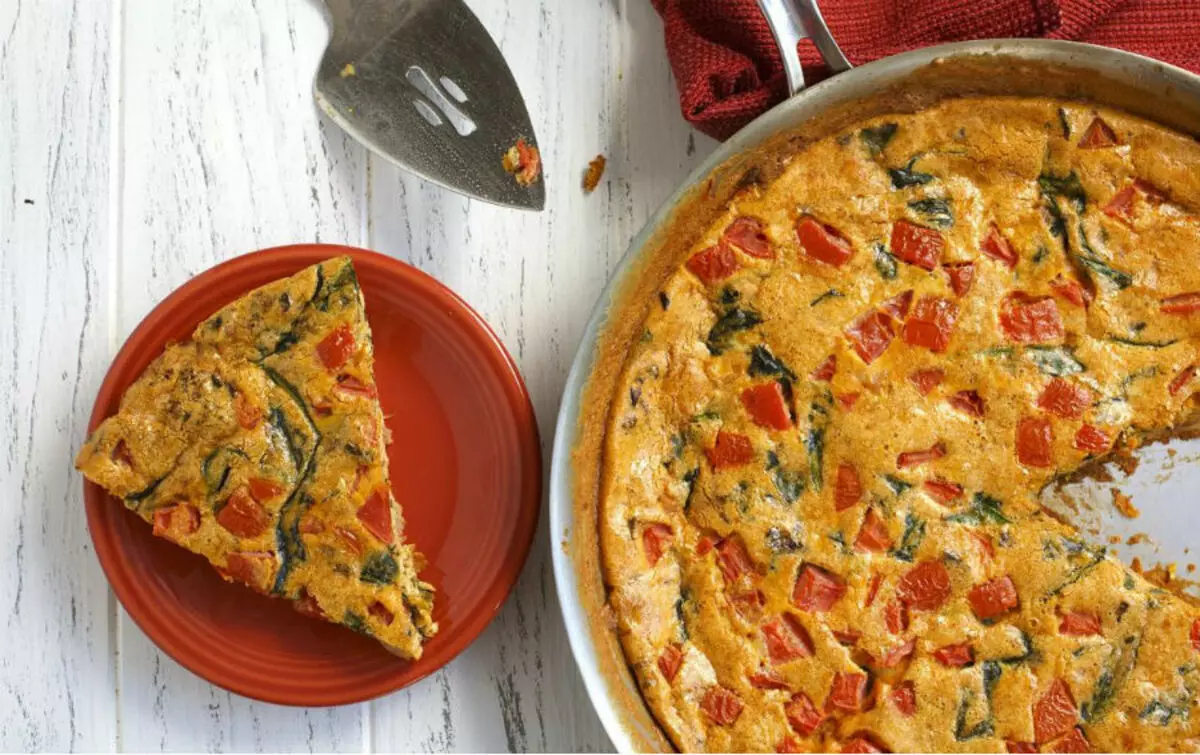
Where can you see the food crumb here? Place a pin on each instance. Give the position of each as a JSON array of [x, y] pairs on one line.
[[1136, 538], [595, 170], [524, 162], [1124, 505], [1191, 568], [1114, 539], [348, 71]]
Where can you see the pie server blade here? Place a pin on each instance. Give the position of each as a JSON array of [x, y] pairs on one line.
[[420, 83]]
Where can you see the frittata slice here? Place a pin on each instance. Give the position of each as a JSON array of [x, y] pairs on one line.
[[260, 444]]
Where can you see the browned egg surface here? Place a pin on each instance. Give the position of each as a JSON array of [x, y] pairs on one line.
[[260, 444], [819, 519]]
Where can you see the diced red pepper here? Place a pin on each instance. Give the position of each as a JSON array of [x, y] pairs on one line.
[[766, 678], [985, 544], [721, 705], [895, 617], [870, 335], [848, 637], [351, 539], [1027, 319], [993, 598], [904, 697], [872, 589], [943, 491], [895, 656], [748, 602], [1073, 742], [822, 242], [714, 264], [175, 522], [847, 400], [873, 537], [847, 488], [997, 247], [255, 569], [766, 405], [308, 605], [355, 387], [381, 613], [927, 380], [656, 538], [336, 347], [786, 639], [1183, 378], [1196, 635], [1065, 399], [827, 369], [789, 744], [847, 692], [1181, 304], [1098, 134], [670, 660], [248, 415], [1121, 205], [861, 743], [909, 459], [925, 587], [931, 324], [706, 543], [968, 402], [1071, 290], [1149, 190], [1079, 624], [1092, 439], [802, 714], [899, 305], [322, 408], [916, 244], [817, 589], [263, 490], [730, 450], [1035, 442], [242, 515], [749, 235], [376, 516], [962, 276], [955, 656], [1054, 714], [734, 560], [1020, 747]]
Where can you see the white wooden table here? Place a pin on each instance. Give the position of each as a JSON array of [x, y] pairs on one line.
[[142, 141]]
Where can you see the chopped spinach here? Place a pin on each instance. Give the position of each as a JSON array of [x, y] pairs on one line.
[[139, 497], [914, 533], [818, 420], [1139, 343], [935, 210], [984, 510], [730, 296], [789, 484], [832, 293], [734, 320], [216, 467], [685, 595], [765, 364], [1040, 254], [1056, 361], [1067, 187], [1162, 710], [380, 568], [1119, 278], [1116, 671], [689, 479], [877, 137], [355, 622], [1079, 571], [1027, 653], [1063, 123], [664, 300], [346, 278], [294, 438], [885, 263], [908, 176], [898, 486]]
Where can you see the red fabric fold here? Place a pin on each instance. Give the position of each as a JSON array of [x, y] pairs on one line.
[[728, 69]]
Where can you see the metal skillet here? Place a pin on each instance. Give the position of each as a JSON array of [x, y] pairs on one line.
[[901, 83]]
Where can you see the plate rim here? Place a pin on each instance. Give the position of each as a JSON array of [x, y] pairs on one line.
[[148, 332]]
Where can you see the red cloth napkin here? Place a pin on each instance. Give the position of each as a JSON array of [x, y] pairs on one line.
[[728, 68]]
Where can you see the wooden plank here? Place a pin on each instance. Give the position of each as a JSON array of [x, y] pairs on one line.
[[596, 81], [223, 153], [56, 672]]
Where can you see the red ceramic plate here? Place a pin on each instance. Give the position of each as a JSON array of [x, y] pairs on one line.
[[465, 467]]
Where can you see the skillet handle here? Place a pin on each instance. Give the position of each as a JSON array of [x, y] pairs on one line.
[[792, 21]]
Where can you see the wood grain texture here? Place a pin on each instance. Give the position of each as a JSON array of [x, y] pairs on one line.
[[156, 138], [56, 665]]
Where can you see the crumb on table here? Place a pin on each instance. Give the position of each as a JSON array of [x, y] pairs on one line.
[[595, 170], [524, 162], [1124, 505]]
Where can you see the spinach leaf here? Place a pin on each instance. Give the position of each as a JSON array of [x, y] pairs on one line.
[[1116, 671], [765, 364], [818, 420], [380, 568], [353, 621], [907, 176], [1067, 187], [690, 478], [885, 263], [936, 211], [1063, 123], [216, 467], [984, 510], [1142, 344], [1119, 278], [139, 497], [1079, 571], [345, 279], [898, 486], [1162, 710], [1056, 361], [832, 293], [877, 137], [914, 533], [730, 323]]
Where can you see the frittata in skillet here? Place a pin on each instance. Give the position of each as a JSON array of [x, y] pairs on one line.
[[260, 444], [819, 516]]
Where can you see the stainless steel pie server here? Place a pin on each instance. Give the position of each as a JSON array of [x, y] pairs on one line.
[[420, 83]]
